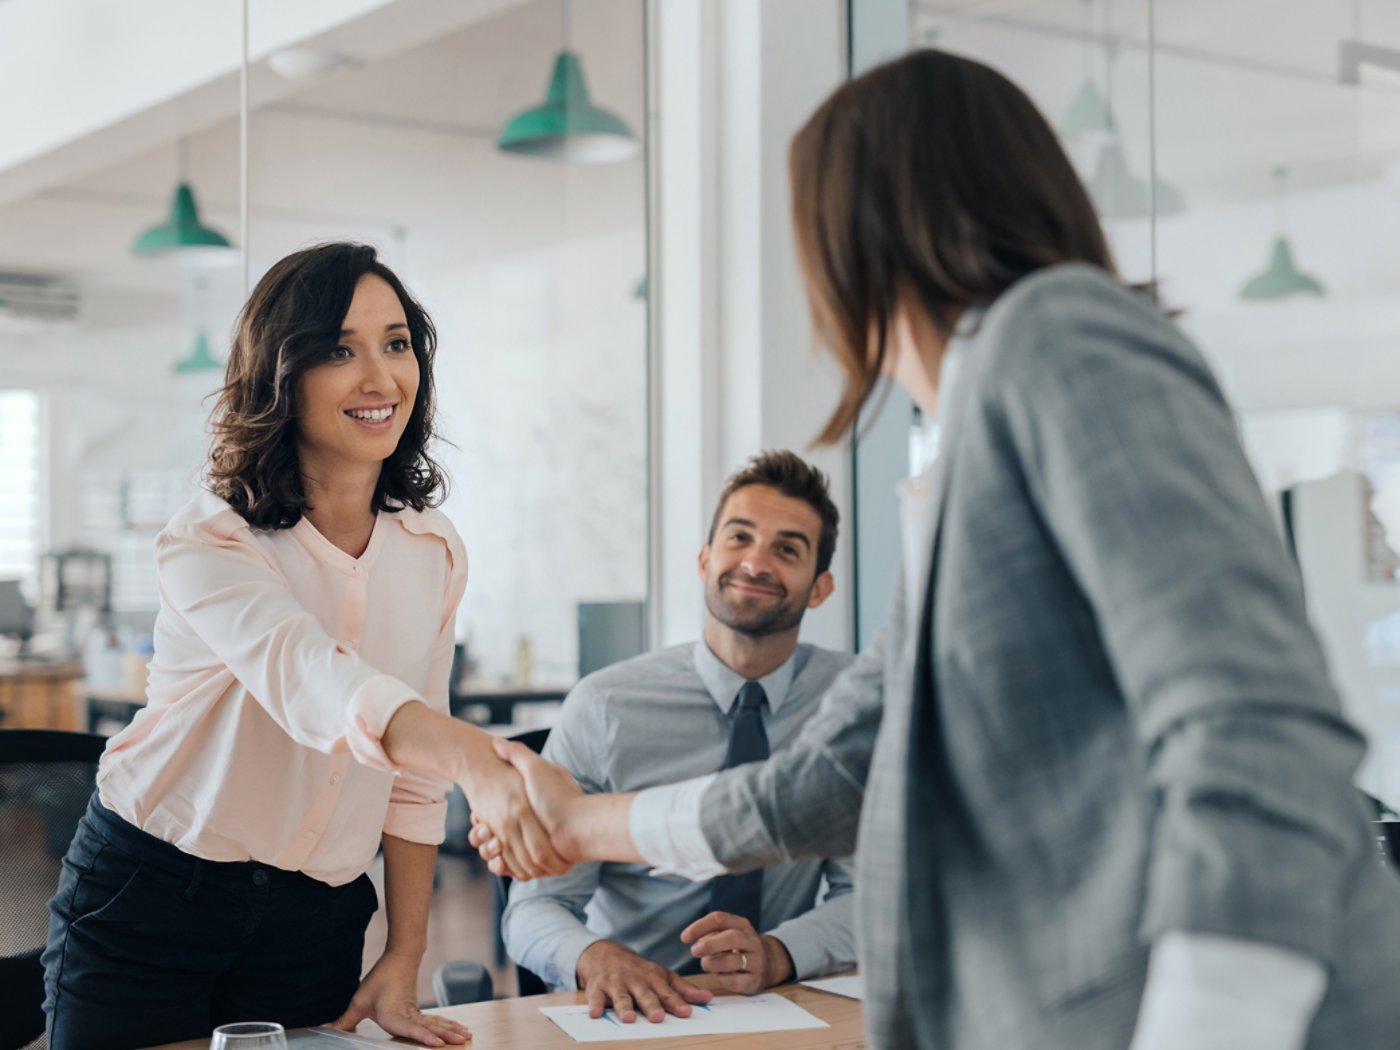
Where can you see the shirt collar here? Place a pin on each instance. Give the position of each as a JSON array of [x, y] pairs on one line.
[[723, 683]]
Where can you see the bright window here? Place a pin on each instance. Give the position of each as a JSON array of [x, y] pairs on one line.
[[21, 478]]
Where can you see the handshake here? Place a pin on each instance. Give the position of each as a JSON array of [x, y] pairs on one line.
[[534, 820], [526, 814]]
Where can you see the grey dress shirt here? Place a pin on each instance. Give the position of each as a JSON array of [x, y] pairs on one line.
[[652, 720]]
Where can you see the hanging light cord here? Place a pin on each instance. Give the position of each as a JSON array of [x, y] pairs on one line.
[[1152, 135], [243, 152]]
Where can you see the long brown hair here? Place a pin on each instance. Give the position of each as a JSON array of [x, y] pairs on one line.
[[290, 324], [934, 179]]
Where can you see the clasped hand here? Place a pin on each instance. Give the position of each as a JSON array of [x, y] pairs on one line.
[[525, 837]]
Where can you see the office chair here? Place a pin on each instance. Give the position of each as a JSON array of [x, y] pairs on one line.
[[46, 779], [466, 981]]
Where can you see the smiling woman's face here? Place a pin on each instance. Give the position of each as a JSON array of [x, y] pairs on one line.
[[352, 408]]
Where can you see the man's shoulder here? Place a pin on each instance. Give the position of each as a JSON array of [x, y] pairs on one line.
[[626, 675], [819, 666]]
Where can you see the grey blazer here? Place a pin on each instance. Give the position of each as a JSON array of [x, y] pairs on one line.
[[1104, 715]]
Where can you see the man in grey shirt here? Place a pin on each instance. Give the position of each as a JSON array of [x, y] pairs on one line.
[[619, 932]]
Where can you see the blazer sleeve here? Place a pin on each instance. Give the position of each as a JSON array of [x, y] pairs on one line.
[[1129, 453], [805, 800]]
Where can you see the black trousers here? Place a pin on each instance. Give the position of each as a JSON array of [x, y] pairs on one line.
[[150, 945]]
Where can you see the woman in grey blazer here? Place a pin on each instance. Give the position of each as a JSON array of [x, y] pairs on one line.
[[1097, 779]]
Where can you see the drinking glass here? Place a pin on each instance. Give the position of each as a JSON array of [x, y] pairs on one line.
[[249, 1035]]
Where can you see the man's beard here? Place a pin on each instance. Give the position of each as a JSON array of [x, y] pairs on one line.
[[783, 614]]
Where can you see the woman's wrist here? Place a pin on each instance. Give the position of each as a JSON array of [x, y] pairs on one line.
[[406, 955], [473, 757], [427, 741]]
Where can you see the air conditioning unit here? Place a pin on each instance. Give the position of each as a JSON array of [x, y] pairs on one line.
[[36, 300]]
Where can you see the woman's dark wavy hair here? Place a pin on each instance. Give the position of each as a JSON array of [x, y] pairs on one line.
[[931, 179], [290, 324]]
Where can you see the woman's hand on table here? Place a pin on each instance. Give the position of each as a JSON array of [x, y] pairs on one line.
[[388, 996]]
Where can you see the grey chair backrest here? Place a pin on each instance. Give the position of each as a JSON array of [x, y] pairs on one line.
[[46, 779]]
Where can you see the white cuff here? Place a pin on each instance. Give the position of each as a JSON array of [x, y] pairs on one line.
[[1220, 993], [665, 826]]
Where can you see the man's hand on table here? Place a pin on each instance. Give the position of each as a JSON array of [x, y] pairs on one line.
[[610, 975], [745, 960]]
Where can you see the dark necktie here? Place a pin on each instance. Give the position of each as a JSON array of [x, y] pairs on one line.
[[748, 742]]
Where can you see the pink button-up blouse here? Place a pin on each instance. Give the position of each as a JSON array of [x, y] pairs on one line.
[[279, 660]]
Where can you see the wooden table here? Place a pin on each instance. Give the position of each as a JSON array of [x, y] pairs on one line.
[[517, 1024]]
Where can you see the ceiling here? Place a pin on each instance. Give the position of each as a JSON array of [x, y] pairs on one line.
[[1241, 85], [398, 151]]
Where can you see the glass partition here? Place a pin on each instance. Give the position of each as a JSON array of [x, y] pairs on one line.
[[1249, 166], [493, 152], [118, 210], [426, 131], [1285, 143]]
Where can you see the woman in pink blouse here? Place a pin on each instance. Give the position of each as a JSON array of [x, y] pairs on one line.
[[297, 705]]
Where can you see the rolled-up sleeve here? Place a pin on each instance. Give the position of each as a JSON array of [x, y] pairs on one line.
[[417, 804], [1131, 454]]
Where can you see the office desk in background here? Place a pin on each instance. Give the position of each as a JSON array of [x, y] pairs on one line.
[[106, 711], [517, 1024], [39, 694], [484, 704]]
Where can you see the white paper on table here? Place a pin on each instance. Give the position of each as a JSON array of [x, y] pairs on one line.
[[850, 986], [725, 1015]]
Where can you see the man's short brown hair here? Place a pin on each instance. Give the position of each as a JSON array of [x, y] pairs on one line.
[[795, 478]]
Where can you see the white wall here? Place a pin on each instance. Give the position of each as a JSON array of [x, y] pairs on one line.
[[542, 382], [734, 366]]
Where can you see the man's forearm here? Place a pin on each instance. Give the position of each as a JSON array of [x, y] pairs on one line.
[[597, 827]]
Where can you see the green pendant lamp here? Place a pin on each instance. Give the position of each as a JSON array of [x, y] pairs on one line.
[[182, 234], [1281, 278], [567, 126], [1119, 194], [1088, 110], [199, 359], [181, 231]]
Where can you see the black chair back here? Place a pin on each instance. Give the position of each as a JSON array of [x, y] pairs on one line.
[[46, 779]]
